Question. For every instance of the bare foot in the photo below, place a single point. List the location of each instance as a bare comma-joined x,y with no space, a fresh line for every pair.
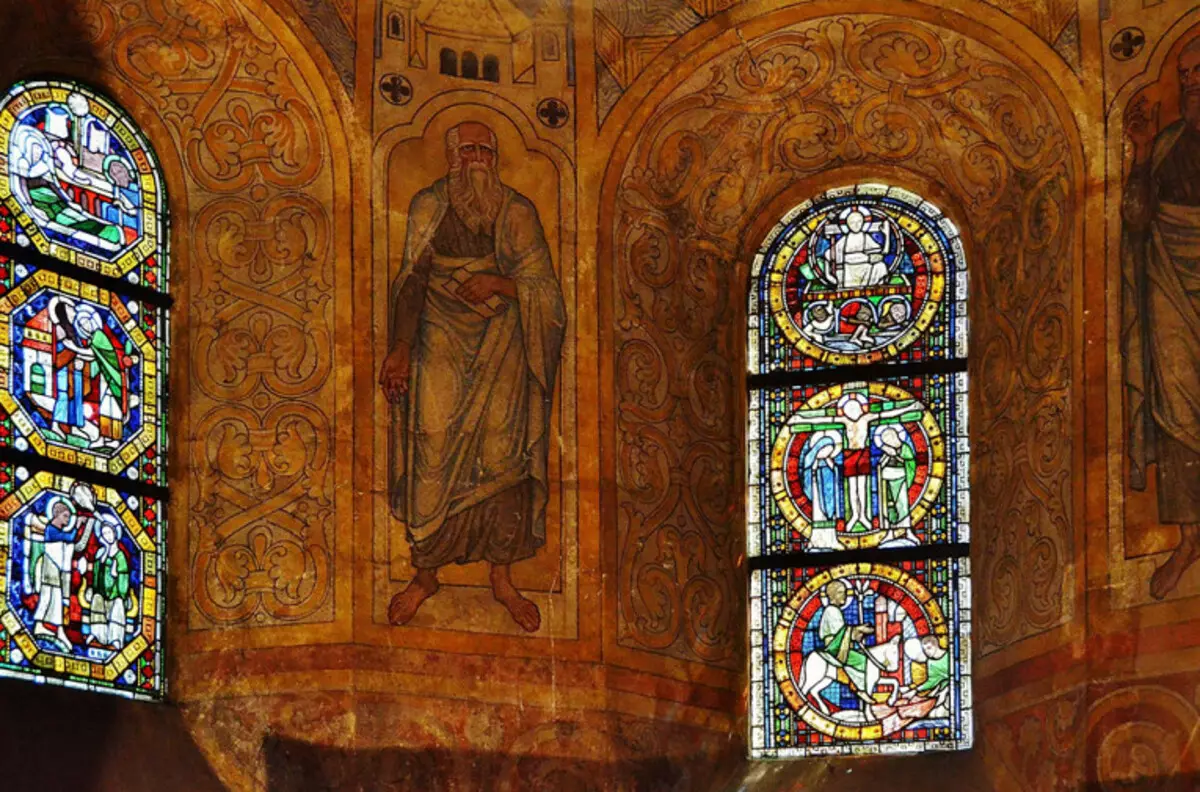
1166,577
406,604
524,613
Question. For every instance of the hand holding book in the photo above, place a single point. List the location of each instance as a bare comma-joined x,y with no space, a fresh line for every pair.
484,291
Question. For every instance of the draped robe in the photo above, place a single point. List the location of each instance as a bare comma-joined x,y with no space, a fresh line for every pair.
470,442
1160,332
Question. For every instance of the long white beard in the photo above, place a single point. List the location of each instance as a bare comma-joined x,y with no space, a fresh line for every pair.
475,196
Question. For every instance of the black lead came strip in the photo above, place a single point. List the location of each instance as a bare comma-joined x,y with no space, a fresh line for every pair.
872,371
20,254
37,462
874,555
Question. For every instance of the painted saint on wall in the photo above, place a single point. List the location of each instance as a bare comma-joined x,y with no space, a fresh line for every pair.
476,325
1160,322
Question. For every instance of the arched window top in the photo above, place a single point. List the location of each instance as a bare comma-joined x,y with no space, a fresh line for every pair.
81,183
857,479
826,294
448,62
83,393
396,26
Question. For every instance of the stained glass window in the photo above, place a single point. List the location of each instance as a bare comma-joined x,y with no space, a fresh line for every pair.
84,336
858,513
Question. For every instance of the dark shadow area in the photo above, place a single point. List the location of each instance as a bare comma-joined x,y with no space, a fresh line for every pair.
45,37
1188,782
54,738
961,771
301,767
59,739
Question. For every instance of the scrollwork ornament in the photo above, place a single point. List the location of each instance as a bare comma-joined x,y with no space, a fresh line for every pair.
862,91
256,158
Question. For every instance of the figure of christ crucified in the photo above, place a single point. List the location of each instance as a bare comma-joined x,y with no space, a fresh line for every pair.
477,323
855,419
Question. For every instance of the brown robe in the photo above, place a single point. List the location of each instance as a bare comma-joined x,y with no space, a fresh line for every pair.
1160,321
470,443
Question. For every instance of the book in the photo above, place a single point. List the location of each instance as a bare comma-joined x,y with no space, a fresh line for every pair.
449,285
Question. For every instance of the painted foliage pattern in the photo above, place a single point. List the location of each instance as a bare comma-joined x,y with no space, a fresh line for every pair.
862,658
82,382
717,150
257,166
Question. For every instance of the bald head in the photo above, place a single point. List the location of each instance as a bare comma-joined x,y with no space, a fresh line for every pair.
469,140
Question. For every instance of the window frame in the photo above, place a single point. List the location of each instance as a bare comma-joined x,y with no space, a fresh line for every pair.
761,560
76,275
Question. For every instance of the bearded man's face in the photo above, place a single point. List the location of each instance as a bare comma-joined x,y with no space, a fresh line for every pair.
475,188
1189,85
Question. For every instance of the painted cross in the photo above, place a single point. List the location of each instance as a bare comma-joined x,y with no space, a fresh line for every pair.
396,89
1127,43
553,112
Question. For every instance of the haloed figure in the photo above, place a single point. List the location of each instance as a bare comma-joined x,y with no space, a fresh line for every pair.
476,327
108,586
1161,321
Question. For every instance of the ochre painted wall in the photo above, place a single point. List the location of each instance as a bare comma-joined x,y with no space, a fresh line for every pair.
656,142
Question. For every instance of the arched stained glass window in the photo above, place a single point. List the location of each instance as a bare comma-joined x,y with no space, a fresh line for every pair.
857,507
83,393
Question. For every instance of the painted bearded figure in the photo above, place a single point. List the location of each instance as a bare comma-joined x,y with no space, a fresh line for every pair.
1161,321
476,326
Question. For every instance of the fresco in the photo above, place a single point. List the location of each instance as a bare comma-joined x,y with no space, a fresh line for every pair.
587,532
477,320
1160,308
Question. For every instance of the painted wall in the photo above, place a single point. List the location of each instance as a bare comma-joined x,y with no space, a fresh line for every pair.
653,144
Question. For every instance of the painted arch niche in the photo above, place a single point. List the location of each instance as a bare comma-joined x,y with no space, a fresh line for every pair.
720,152
83,390
857,479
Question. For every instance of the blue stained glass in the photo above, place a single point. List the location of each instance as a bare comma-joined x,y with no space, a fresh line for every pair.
82,582
859,275
861,658
84,336
858,480
893,474
83,373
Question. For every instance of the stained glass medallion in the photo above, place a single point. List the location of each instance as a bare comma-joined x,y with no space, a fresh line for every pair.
858,465
858,480
80,182
82,580
82,373
861,658
859,275
84,337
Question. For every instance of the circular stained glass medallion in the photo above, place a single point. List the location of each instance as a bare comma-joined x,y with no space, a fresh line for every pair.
857,278
861,651
858,465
